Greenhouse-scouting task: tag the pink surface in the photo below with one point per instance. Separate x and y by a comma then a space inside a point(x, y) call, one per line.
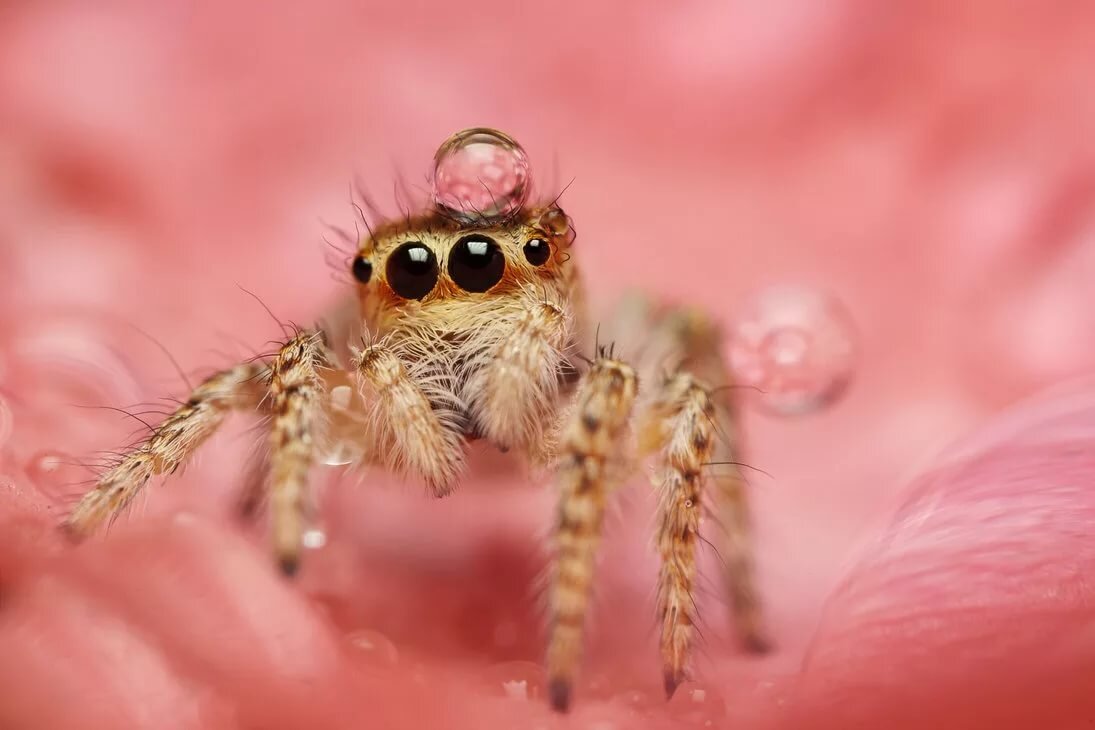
point(932, 168)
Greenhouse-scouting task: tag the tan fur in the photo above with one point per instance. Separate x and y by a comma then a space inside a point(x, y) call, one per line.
point(680, 424)
point(297, 395)
point(514, 386)
point(406, 432)
point(591, 440)
point(406, 383)
point(168, 446)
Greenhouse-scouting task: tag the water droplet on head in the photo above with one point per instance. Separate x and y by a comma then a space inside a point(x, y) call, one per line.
point(796, 346)
point(480, 173)
point(374, 647)
point(515, 680)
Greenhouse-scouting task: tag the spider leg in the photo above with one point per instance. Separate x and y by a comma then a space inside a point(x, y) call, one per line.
point(169, 446)
point(698, 348)
point(680, 425)
point(413, 422)
point(515, 381)
point(297, 410)
point(592, 441)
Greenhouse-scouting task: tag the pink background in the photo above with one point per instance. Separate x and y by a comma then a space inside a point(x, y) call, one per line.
point(930, 163)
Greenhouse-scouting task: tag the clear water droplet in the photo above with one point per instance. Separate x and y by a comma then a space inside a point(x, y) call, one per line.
point(797, 346)
point(639, 702)
point(313, 539)
point(697, 705)
point(57, 475)
point(374, 647)
point(515, 680)
point(480, 173)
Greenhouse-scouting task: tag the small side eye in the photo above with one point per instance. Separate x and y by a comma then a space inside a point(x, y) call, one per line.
point(537, 251)
point(363, 270)
point(412, 270)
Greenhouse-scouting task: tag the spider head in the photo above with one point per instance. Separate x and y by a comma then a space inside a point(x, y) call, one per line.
point(480, 238)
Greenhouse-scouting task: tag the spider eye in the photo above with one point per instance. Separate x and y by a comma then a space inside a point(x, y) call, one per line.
point(412, 270)
point(537, 251)
point(362, 269)
point(476, 263)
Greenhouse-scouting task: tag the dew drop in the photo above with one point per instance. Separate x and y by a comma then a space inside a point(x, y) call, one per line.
point(313, 539)
point(697, 705)
point(480, 173)
point(796, 346)
point(515, 680)
point(57, 475)
point(639, 702)
point(374, 647)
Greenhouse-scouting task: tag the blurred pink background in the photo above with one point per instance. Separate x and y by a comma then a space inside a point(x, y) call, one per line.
point(928, 163)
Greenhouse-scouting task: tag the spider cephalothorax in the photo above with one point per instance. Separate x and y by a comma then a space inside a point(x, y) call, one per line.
point(467, 322)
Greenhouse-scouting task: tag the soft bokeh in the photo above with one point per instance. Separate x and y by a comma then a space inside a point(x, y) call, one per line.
point(930, 164)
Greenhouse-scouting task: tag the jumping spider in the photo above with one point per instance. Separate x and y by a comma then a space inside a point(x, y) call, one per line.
point(471, 325)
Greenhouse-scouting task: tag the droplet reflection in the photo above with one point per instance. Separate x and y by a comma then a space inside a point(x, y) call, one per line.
point(480, 173)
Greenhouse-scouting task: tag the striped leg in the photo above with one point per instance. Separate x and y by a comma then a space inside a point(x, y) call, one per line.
point(591, 446)
point(297, 409)
point(169, 446)
point(680, 425)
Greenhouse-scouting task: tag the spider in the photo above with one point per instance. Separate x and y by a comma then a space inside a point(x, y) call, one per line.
point(470, 321)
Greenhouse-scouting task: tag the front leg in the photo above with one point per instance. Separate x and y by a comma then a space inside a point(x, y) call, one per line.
point(169, 446)
point(413, 423)
point(297, 394)
point(592, 443)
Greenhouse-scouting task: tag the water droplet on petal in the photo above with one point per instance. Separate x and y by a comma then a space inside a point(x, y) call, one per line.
point(480, 173)
point(57, 475)
point(638, 701)
point(374, 647)
point(796, 346)
point(313, 539)
point(697, 705)
point(515, 680)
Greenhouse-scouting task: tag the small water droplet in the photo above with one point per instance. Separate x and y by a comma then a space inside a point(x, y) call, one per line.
point(638, 701)
point(697, 705)
point(313, 539)
point(516, 689)
point(515, 680)
point(57, 475)
point(374, 647)
point(796, 346)
point(480, 173)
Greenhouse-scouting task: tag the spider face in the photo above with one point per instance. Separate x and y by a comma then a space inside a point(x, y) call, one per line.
point(434, 257)
point(478, 249)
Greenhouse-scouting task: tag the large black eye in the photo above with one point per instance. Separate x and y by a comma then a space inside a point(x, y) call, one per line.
point(363, 270)
point(412, 270)
point(476, 263)
point(537, 251)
